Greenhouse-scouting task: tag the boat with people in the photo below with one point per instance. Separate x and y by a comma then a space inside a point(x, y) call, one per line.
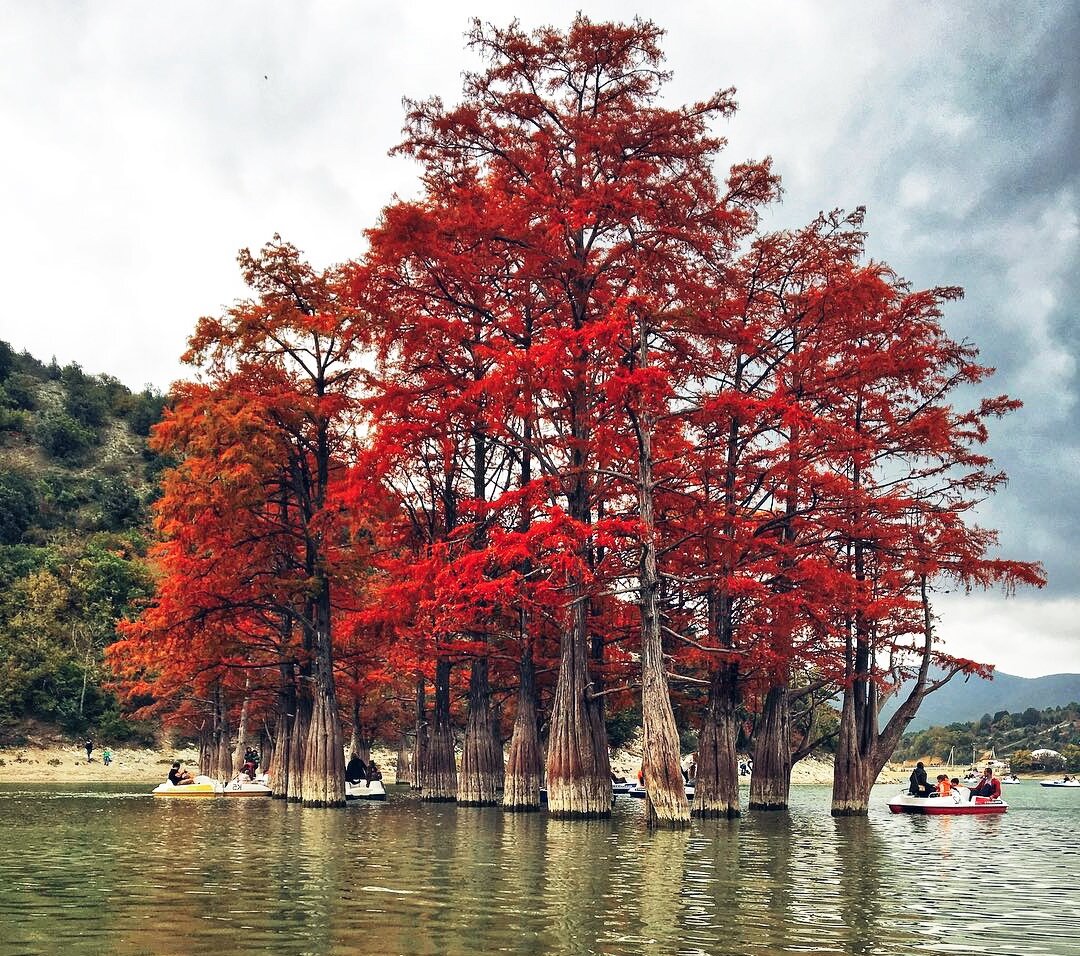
point(365, 790)
point(204, 786)
point(952, 804)
point(1067, 781)
point(1010, 778)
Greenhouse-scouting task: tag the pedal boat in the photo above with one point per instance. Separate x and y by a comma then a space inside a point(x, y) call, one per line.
point(202, 787)
point(209, 787)
point(952, 805)
point(244, 786)
point(365, 790)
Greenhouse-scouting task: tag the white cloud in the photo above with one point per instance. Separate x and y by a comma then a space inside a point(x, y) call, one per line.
point(1028, 635)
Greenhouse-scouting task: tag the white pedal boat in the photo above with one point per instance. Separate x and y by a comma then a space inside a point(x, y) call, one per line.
point(638, 792)
point(365, 791)
point(1059, 783)
point(209, 787)
point(244, 786)
point(955, 804)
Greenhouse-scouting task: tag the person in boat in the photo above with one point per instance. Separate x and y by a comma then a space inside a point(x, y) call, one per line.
point(919, 785)
point(251, 763)
point(179, 777)
point(356, 771)
point(988, 786)
point(373, 772)
point(944, 785)
point(615, 778)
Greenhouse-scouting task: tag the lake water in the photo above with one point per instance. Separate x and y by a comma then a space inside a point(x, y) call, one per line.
point(111, 870)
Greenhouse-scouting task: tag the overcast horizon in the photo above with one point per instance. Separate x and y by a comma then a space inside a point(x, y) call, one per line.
point(147, 145)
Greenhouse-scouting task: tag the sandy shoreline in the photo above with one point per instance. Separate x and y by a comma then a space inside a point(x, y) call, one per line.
point(68, 764)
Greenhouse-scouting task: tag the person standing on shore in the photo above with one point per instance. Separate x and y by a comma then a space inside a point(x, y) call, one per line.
point(106, 756)
point(89, 745)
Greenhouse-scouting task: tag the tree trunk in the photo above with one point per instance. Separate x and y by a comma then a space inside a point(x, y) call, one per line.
point(323, 783)
point(221, 759)
point(578, 766)
point(524, 766)
point(716, 792)
point(205, 748)
point(770, 780)
point(665, 792)
point(478, 784)
point(402, 768)
point(356, 740)
point(421, 737)
point(298, 742)
point(861, 751)
point(241, 729)
point(440, 772)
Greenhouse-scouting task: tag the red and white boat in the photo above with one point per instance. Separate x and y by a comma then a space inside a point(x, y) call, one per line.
point(955, 804)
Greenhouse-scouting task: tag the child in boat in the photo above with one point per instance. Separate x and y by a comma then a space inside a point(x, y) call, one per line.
point(373, 772)
point(944, 785)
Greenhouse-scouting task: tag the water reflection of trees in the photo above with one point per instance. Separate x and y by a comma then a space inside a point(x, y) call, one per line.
point(861, 860)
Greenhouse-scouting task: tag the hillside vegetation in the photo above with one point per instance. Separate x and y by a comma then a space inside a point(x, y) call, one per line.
point(1011, 735)
point(76, 479)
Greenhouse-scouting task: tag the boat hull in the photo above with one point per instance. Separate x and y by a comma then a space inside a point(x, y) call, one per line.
point(946, 806)
point(365, 791)
point(1071, 785)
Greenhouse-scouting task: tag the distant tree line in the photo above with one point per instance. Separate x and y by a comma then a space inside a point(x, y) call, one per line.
point(1013, 735)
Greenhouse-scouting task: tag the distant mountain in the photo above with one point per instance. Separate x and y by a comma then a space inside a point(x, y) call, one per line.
point(967, 700)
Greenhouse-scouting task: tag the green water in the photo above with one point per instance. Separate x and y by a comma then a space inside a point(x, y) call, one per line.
point(111, 870)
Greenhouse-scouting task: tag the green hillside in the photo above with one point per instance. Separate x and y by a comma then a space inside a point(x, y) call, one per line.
point(1012, 735)
point(76, 479)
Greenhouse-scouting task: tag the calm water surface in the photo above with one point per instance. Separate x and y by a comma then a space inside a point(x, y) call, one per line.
point(111, 870)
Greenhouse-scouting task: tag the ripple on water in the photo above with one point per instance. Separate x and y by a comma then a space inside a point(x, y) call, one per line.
point(108, 870)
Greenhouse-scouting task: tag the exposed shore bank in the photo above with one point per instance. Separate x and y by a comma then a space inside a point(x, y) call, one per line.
point(67, 763)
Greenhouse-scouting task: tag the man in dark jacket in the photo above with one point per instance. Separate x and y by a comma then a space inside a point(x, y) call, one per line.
point(920, 787)
point(356, 771)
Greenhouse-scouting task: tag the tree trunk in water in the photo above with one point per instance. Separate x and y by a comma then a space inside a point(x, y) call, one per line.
point(440, 772)
point(279, 764)
point(770, 780)
point(221, 759)
point(861, 751)
point(205, 739)
point(524, 766)
point(716, 792)
point(665, 790)
point(298, 742)
point(851, 780)
point(478, 784)
point(578, 765)
point(420, 738)
point(241, 730)
point(323, 783)
point(402, 770)
point(356, 740)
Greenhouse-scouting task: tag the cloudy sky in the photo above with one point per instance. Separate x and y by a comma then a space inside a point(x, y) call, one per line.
point(141, 145)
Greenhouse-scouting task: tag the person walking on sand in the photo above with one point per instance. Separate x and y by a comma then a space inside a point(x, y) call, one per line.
point(89, 745)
